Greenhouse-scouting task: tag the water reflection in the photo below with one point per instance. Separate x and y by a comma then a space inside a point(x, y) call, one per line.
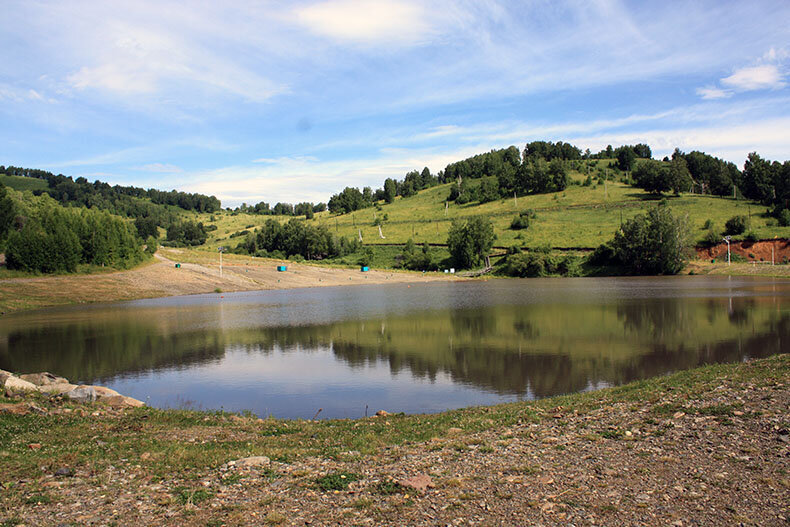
point(500, 340)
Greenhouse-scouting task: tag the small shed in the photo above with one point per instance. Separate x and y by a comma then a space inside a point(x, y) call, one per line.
point(282, 268)
point(364, 269)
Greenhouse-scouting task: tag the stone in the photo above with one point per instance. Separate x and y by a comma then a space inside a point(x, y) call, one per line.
point(43, 379)
point(15, 385)
point(64, 472)
point(57, 389)
point(102, 392)
point(420, 482)
point(122, 401)
point(454, 431)
point(382, 413)
point(250, 462)
point(14, 409)
point(82, 394)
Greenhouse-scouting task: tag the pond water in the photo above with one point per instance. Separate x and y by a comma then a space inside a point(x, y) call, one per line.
point(418, 348)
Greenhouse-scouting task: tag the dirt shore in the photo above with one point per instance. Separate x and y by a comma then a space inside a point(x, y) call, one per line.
point(709, 447)
point(196, 275)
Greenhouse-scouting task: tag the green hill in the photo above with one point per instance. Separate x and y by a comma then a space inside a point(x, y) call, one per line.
point(23, 183)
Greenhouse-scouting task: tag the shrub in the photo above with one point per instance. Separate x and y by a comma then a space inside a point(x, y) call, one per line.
point(520, 222)
point(784, 218)
point(602, 255)
point(653, 243)
point(735, 225)
point(711, 238)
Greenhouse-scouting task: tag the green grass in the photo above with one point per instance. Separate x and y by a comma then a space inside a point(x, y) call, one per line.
point(23, 183)
point(88, 444)
point(578, 217)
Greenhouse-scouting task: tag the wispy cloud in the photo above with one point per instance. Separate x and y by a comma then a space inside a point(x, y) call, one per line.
point(712, 92)
point(381, 21)
point(161, 168)
point(767, 73)
point(764, 77)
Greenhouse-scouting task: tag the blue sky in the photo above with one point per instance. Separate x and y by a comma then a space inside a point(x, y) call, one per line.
point(292, 101)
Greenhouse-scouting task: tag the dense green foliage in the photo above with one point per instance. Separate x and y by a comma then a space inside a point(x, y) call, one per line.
point(295, 238)
point(735, 225)
point(80, 192)
point(45, 237)
point(469, 241)
point(658, 177)
point(418, 260)
point(539, 263)
point(653, 244)
point(186, 233)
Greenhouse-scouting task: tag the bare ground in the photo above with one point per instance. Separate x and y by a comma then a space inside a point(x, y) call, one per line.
point(161, 278)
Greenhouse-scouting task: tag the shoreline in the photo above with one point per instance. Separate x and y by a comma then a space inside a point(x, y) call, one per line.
point(200, 274)
point(705, 446)
point(161, 279)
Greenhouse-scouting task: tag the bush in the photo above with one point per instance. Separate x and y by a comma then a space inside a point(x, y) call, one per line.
point(520, 222)
point(602, 255)
point(784, 218)
point(735, 225)
point(186, 233)
point(470, 241)
point(711, 238)
point(653, 243)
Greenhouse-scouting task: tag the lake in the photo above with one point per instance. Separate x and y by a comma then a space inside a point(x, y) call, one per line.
point(403, 348)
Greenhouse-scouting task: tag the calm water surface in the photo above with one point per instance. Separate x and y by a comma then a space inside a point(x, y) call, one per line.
point(418, 348)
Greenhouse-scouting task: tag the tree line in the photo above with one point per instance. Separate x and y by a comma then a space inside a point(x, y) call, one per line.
point(295, 237)
point(82, 193)
point(39, 235)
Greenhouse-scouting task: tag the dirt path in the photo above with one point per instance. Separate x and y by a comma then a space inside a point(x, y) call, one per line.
point(162, 278)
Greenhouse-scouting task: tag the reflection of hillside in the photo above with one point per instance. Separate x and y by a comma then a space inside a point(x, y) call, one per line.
point(79, 352)
point(547, 351)
point(537, 350)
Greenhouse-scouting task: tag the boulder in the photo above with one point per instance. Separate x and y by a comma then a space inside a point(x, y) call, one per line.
point(82, 394)
point(249, 462)
point(4, 375)
point(43, 379)
point(121, 401)
point(57, 389)
point(15, 385)
point(102, 392)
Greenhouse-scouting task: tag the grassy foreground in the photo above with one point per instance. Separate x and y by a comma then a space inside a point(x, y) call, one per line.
point(664, 451)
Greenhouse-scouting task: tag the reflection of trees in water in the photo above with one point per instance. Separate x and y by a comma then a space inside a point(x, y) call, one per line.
point(476, 323)
point(450, 342)
point(85, 352)
point(564, 371)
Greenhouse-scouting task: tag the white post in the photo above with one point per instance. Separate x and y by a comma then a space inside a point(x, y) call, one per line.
point(220, 249)
point(727, 239)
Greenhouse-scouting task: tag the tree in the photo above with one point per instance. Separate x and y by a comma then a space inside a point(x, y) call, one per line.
point(652, 176)
point(653, 243)
point(678, 175)
point(390, 190)
point(470, 241)
point(186, 233)
point(146, 227)
point(757, 180)
point(625, 158)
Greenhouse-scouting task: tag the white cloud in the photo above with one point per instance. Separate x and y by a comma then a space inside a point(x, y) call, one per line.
point(712, 92)
point(161, 168)
point(762, 77)
point(367, 21)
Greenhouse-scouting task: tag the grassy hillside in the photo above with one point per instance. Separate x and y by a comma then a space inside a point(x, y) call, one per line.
point(578, 217)
point(23, 183)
